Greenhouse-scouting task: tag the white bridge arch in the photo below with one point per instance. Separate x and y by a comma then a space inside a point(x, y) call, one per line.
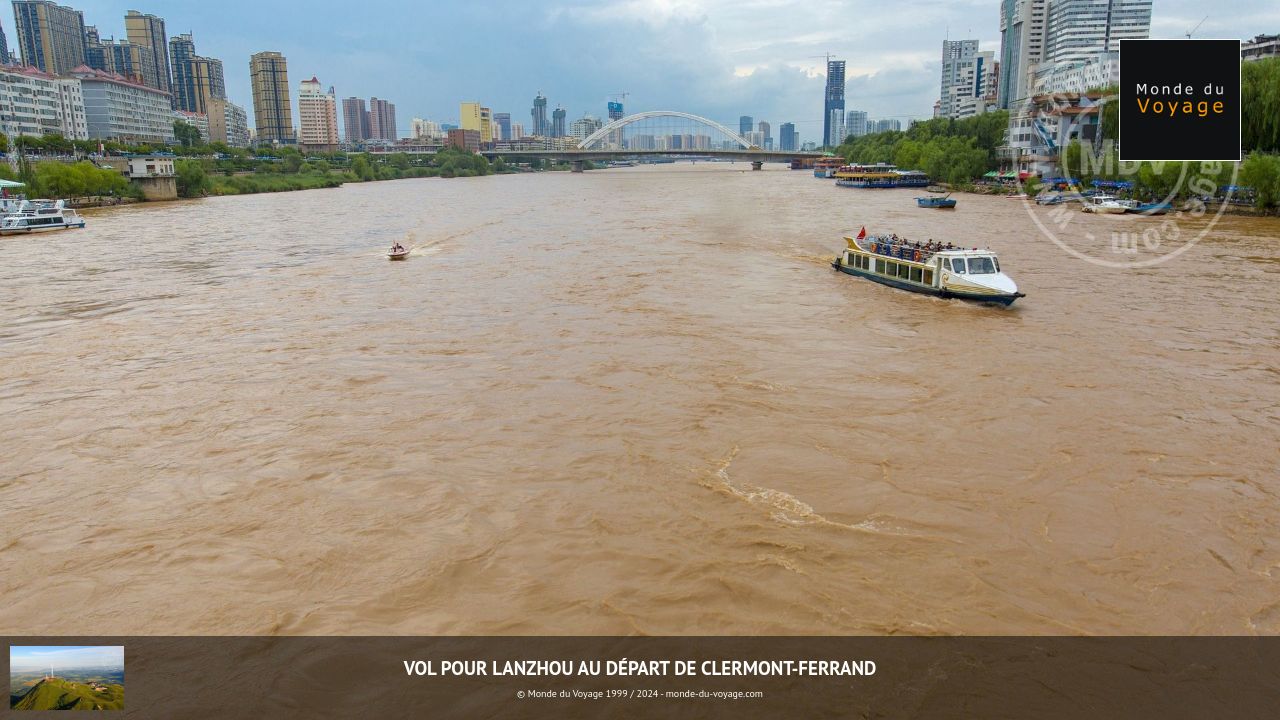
point(617, 125)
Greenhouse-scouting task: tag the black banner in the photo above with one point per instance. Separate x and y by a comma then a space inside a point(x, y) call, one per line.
point(702, 677)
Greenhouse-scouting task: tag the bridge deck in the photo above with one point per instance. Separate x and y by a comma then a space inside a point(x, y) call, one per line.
point(571, 155)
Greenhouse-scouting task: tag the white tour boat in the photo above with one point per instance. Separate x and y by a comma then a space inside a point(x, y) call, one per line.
point(40, 216)
point(949, 273)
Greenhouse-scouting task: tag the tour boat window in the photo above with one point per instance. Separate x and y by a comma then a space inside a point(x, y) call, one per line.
point(981, 266)
point(928, 276)
point(997, 262)
point(903, 270)
point(957, 265)
point(915, 274)
point(880, 266)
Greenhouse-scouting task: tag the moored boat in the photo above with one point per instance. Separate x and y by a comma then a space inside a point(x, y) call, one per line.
point(945, 272)
point(943, 203)
point(1159, 208)
point(878, 176)
point(1107, 205)
point(826, 167)
point(40, 216)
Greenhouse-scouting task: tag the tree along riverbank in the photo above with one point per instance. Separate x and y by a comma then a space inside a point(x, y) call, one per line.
point(201, 177)
point(960, 151)
point(46, 171)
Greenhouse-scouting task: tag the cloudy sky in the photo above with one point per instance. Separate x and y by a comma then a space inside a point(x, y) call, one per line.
point(717, 58)
point(64, 657)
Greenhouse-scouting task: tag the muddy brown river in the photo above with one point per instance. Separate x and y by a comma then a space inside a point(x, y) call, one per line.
point(628, 401)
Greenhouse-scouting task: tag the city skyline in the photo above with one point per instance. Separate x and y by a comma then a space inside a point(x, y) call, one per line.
point(728, 61)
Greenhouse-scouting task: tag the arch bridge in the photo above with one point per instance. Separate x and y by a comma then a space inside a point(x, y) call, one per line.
point(609, 143)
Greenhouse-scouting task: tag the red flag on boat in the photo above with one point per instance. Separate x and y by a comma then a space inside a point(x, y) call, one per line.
point(863, 232)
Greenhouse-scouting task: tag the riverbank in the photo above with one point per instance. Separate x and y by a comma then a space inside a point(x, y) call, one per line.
point(1001, 191)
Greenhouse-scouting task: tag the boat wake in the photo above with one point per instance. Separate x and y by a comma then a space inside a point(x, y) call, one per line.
point(787, 508)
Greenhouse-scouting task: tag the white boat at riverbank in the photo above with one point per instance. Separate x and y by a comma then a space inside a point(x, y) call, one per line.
point(1108, 205)
point(40, 216)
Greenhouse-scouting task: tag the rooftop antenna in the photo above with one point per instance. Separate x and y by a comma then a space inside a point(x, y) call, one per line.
point(1197, 27)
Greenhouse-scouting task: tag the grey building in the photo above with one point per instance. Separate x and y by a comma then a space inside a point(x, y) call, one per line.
point(1080, 30)
point(1022, 27)
point(1262, 46)
point(539, 114)
point(125, 111)
point(382, 120)
point(764, 129)
point(181, 50)
point(355, 120)
point(558, 122)
point(833, 104)
point(788, 139)
point(503, 122)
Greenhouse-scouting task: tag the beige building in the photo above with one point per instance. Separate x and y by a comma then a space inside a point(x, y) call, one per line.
point(206, 82)
point(148, 31)
point(486, 125)
point(50, 36)
point(272, 113)
point(155, 175)
point(317, 118)
point(228, 123)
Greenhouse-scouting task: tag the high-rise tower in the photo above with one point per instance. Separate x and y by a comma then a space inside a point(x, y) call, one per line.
point(833, 104)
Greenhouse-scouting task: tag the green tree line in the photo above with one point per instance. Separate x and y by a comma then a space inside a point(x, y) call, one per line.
point(1260, 141)
point(954, 151)
point(69, 180)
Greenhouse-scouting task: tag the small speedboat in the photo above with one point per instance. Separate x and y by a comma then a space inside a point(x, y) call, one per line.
point(398, 252)
point(1050, 200)
point(943, 203)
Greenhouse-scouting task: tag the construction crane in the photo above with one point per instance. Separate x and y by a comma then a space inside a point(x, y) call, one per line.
point(1197, 27)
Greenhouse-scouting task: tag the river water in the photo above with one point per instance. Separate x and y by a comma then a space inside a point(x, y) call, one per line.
point(627, 401)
